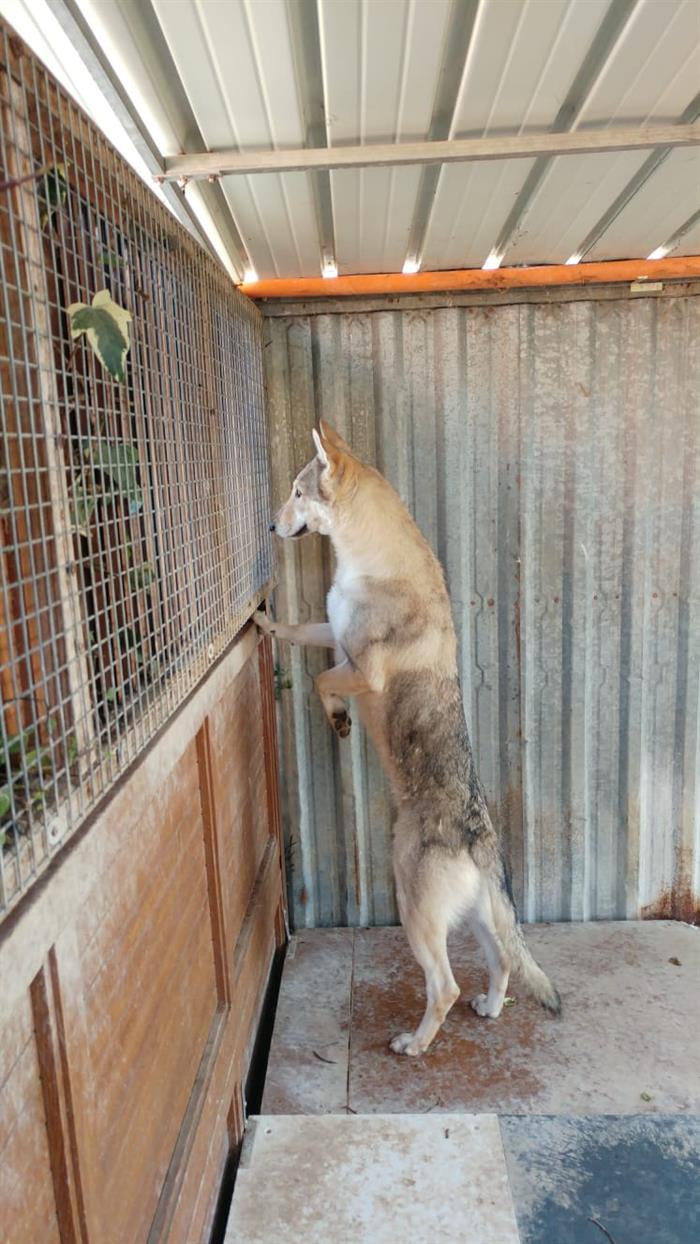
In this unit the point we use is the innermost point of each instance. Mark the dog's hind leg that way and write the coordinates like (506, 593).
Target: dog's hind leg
(481, 922)
(425, 915)
(428, 940)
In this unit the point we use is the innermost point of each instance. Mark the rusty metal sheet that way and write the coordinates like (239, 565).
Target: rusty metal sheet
(550, 454)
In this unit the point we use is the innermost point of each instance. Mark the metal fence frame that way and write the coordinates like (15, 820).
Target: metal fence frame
(133, 513)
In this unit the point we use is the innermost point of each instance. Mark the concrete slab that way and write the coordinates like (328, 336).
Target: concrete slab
(307, 1070)
(625, 1044)
(581, 1181)
(373, 1181)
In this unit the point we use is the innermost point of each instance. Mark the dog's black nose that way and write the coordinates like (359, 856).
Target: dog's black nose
(272, 526)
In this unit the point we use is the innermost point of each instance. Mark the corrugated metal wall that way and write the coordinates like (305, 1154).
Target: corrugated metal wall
(549, 452)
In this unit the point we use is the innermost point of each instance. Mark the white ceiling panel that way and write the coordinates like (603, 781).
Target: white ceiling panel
(654, 69)
(574, 195)
(474, 201)
(651, 75)
(668, 198)
(523, 59)
(380, 66)
(267, 74)
(373, 209)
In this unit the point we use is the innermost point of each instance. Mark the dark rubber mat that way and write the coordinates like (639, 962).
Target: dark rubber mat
(625, 1180)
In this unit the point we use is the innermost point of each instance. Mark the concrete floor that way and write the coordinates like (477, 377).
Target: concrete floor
(467, 1179)
(626, 1043)
(347, 1180)
(522, 1130)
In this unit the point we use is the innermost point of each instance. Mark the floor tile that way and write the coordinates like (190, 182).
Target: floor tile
(622, 1046)
(378, 1180)
(307, 1068)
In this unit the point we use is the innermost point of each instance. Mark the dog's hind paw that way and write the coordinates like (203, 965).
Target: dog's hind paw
(406, 1044)
(480, 1005)
(342, 723)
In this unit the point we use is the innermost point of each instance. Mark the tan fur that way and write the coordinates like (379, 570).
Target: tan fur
(390, 623)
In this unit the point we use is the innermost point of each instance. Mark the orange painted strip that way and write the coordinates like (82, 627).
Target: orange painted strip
(624, 270)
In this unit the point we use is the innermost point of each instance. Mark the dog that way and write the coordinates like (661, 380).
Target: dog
(390, 624)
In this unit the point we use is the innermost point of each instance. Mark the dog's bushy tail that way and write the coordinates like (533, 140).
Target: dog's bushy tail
(520, 959)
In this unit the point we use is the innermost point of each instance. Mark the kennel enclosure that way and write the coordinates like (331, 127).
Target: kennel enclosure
(153, 831)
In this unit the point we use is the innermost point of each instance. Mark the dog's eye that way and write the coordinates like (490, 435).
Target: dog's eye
(297, 492)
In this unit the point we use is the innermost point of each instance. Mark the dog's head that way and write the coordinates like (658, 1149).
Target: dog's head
(320, 487)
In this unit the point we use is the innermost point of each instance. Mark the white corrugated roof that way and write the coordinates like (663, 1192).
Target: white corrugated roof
(266, 74)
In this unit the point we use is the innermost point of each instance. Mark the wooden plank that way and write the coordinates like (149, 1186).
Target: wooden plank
(26, 1186)
(27, 939)
(159, 1000)
(149, 988)
(220, 1131)
(448, 151)
(378, 284)
(213, 865)
(238, 762)
(58, 1104)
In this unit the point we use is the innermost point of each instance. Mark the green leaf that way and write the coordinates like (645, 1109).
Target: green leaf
(53, 191)
(111, 694)
(5, 801)
(17, 741)
(109, 260)
(40, 756)
(83, 506)
(106, 325)
(119, 461)
(141, 576)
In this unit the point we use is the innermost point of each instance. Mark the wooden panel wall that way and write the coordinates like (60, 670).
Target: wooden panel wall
(132, 980)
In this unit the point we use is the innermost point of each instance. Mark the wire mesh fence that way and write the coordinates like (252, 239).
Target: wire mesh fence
(133, 480)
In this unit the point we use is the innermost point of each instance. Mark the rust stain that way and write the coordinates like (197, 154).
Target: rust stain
(679, 901)
(358, 874)
(473, 1064)
(507, 816)
(516, 616)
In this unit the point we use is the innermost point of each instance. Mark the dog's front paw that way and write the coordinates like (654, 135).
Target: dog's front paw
(263, 623)
(480, 1005)
(406, 1044)
(342, 723)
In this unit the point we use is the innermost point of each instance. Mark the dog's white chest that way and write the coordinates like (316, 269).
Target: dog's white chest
(338, 608)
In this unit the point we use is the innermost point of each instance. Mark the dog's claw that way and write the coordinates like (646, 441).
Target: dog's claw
(342, 723)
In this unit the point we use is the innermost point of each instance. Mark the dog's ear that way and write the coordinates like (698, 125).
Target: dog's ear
(329, 434)
(327, 453)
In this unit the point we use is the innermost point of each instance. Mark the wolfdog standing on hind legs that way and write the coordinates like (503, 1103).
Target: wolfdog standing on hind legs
(390, 623)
